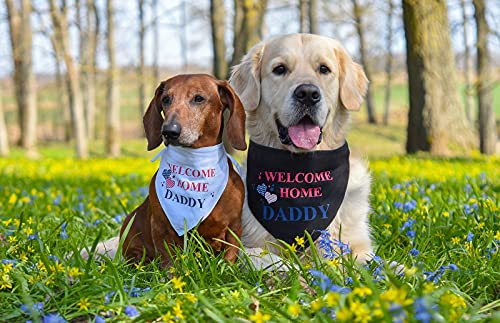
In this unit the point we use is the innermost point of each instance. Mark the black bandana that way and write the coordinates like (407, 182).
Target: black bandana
(290, 193)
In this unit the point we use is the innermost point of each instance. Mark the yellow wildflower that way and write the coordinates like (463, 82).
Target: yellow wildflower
(5, 282)
(74, 272)
(191, 298)
(12, 239)
(362, 291)
(396, 295)
(13, 198)
(139, 266)
(258, 317)
(497, 235)
(178, 283)
(316, 305)
(300, 241)
(178, 311)
(293, 247)
(7, 268)
(344, 314)
(453, 300)
(84, 304)
(455, 240)
(294, 310)
(332, 299)
(360, 311)
(235, 294)
(167, 317)
(334, 262)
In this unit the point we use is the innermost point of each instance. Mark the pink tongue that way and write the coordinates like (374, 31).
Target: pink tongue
(305, 134)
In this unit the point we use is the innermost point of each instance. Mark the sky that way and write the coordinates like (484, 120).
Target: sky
(281, 17)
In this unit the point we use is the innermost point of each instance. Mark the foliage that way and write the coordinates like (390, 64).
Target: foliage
(438, 218)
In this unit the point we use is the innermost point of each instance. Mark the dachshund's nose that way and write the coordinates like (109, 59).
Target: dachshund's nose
(307, 94)
(172, 130)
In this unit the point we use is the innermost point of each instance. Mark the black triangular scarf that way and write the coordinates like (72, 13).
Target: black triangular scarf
(289, 193)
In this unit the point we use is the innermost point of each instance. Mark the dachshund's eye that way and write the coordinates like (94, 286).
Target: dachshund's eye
(166, 100)
(323, 69)
(279, 70)
(198, 99)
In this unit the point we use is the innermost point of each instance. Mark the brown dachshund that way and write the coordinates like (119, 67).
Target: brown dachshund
(193, 107)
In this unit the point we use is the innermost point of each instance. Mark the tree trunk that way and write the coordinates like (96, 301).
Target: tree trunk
(141, 70)
(88, 48)
(60, 25)
(358, 13)
(156, 43)
(249, 19)
(24, 80)
(217, 15)
(313, 17)
(4, 143)
(469, 100)
(388, 63)
(436, 118)
(113, 105)
(303, 27)
(62, 100)
(487, 128)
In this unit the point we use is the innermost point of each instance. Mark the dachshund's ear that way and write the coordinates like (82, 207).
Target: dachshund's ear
(245, 77)
(353, 81)
(153, 119)
(236, 122)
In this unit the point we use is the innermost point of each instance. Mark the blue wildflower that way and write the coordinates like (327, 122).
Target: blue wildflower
(99, 319)
(467, 209)
(33, 236)
(469, 237)
(422, 313)
(410, 205)
(57, 200)
(398, 205)
(396, 187)
(36, 306)
(96, 222)
(435, 276)
(414, 252)
(131, 311)
(408, 224)
(80, 207)
(64, 234)
(53, 318)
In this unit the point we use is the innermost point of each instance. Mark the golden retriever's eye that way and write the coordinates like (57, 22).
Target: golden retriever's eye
(198, 99)
(323, 69)
(279, 70)
(166, 100)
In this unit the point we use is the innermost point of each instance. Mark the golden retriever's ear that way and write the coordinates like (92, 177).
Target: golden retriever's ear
(245, 77)
(353, 81)
(153, 119)
(236, 122)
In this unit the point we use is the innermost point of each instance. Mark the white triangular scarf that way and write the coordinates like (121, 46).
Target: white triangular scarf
(190, 182)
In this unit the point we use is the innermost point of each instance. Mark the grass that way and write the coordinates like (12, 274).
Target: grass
(437, 217)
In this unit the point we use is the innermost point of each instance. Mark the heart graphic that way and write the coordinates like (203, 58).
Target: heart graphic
(166, 173)
(271, 198)
(262, 189)
(170, 183)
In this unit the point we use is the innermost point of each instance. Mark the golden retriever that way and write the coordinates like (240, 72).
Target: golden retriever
(267, 81)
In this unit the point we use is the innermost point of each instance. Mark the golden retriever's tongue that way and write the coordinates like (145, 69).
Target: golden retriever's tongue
(305, 134)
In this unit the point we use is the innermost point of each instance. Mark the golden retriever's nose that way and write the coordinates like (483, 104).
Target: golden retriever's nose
(171, 130)
(307, 94)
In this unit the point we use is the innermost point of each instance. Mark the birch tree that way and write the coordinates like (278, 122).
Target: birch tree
(4, 143)
(18, 16)
(113, 104)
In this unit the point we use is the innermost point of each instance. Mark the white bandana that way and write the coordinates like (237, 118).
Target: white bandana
(190, 182)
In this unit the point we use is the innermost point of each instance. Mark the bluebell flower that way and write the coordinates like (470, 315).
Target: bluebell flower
(408, 224)
(57, 200)
(435, 276)
(9, 261)
(422, 313)
(469, 237)
(468, 188)
(36, 306)
(99, 319)
(80, 207)
(414, 252)
(131, 311)
(432, 187)
(398, 205)
(118, 218)
(410, 205)
(33, 236)
(54, 258)
(348, 281)
(96, 222)
(64, 234)
(396, 187)
(53, 318)
(411, 233)
(467, 209)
